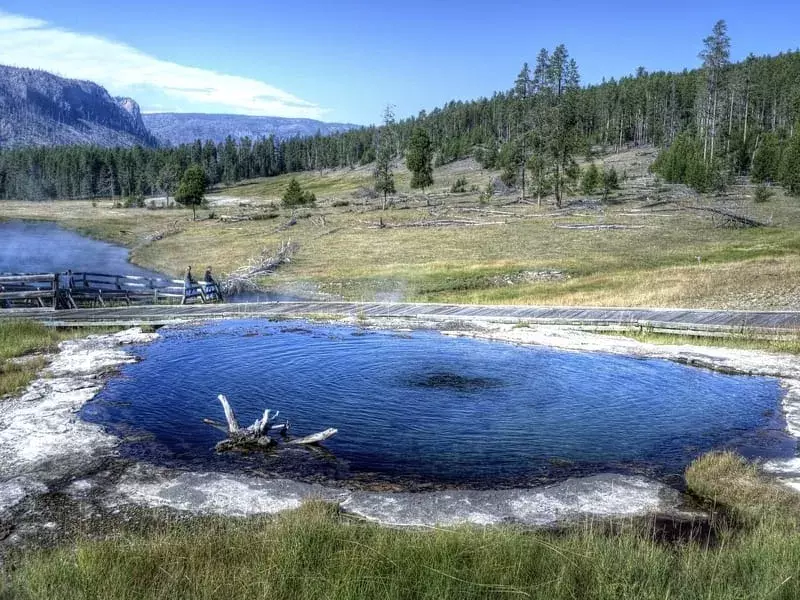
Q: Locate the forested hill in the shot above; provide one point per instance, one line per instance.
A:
(184, 128)
(41, 109)
(728, 118)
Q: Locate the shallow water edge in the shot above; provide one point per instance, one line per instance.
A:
(45, 448)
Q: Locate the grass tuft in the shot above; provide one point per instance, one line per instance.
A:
(728, 482)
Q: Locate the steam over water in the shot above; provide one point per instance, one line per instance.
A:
(423, 408)
(44, 247)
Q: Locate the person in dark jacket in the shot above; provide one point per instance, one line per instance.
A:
(210, 287)
(189, 289)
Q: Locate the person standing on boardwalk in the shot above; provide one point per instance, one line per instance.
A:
(190, 287)
(189, 284)
(210, 285)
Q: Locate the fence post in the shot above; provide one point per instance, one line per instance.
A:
(55, 291)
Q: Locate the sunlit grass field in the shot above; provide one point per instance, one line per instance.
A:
(450, 247)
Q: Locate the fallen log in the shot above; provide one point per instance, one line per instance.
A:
(315, 438)
(431, 223)
(257, 435)
(729, 219)
(244, 278)
(596, 226)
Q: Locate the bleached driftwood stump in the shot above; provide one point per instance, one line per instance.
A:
(258, 434)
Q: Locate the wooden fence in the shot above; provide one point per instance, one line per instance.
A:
(40, 289)
(81, 289)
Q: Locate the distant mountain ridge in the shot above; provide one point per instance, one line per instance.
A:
(38, 108)
(185, 128)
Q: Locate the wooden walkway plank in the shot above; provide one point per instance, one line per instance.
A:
(590, 317)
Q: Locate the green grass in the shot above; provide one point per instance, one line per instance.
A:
(728, 482)
(782, 342)
(652, 263)
(27, 339)
(317, 552)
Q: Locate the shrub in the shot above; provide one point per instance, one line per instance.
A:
(763, 193)
(590, 179)
(610, 182)
(486, 194)
(337, 203)
(295, 196)
(460, 186)
(133, 202)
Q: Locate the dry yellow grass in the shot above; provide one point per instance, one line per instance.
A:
(666, 255)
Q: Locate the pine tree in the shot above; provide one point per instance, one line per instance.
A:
(610, 182)
(168, 176)
(767, 160)
(523, 89)
(716, 57)
(563, 139)
(192, 189)
(790, 171)
(419, 159)
(295, 196)
(384, 154)
(590, 179)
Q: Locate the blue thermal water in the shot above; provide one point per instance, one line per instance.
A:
(424, 407)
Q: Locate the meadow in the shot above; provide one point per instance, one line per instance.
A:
(648, 244)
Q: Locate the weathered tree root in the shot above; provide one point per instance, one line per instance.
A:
(258, 434)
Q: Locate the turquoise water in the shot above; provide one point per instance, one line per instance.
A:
(422, 408)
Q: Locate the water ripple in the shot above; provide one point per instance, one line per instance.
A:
(424, 407)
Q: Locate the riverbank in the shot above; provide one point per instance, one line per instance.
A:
(41, 430)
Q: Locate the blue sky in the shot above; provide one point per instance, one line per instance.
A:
(344, 61)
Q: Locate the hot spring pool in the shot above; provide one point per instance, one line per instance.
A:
(423, 408)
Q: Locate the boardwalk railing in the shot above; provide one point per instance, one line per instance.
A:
(40, 289)
(72, 290)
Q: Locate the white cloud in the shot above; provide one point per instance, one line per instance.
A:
(122, 69)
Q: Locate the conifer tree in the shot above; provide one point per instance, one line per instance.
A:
(419, 159)
(523, 89)
(192, 189)
(384, 154)
(590, 179)
(767, 160)
(790, 171)
(716, 57)
(295, 196)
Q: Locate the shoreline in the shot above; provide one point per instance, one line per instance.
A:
(45, 449)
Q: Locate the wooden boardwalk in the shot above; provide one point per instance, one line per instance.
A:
(672, 320)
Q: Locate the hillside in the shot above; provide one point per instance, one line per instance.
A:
(185, 128)
(41, 109)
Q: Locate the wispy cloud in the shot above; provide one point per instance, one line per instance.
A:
(124, 70)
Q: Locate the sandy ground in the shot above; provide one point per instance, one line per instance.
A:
(50, 457)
